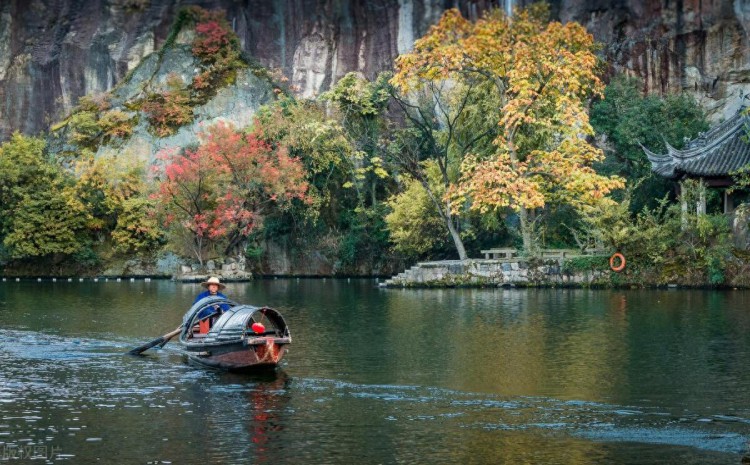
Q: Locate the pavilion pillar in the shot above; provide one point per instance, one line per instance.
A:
(700, 204)
(691, 191)
(684, 212)
(728, 202)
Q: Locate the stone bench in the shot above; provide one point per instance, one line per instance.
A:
(502, 253)
(596, 251)
(559, 253)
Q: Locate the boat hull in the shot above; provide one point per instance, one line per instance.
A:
(246, 355)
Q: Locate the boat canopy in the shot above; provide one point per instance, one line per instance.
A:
(236, 322)
(203, 304)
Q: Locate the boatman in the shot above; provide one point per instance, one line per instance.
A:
(213, 286)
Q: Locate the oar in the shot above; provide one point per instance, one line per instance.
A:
(164, 339)
(156, 342)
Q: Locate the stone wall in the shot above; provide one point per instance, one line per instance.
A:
(491, 273)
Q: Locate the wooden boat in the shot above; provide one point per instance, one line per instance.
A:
(234, 337)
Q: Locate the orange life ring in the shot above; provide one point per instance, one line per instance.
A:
(619, 267)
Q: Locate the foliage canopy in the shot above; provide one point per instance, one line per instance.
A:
(541, 74)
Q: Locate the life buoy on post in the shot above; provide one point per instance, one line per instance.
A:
(613, 258)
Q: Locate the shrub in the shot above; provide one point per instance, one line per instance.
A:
(117, 124)
(169, 110)
(585, 263)
(84, 129)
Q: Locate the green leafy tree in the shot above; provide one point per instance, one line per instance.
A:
(137, 228)
(303, 129)
(416, 229)
(657, 242)
(39, 215)
(627, 119)
(346, 185)
(84, 129)
(46, 222)
(116, 197)
(443, 122)
(361, 106)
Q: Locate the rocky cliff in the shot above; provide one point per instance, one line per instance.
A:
(700, 46)
(54, 51)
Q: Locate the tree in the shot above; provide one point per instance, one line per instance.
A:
(38, 216)
(361, 106)
(626, 120)
(444, 122)
(118, 208)
(415, 225)
(170, 109)
(302, 128)
(137, 228)
(46, 222)
(339, 144)
(220, 191)
(659, 241)
(538, 76)
(23, 166)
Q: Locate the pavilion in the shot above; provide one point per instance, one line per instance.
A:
(710, 159)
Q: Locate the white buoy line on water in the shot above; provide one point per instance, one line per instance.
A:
(70, 280)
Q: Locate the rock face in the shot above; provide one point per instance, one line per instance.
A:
(700, 46)
(54, 51)
(235, 104)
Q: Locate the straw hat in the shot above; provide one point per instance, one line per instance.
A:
(213, 280)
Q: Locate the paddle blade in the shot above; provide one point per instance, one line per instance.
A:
(156, 342)
(145, 347)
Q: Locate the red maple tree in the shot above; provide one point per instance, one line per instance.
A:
(220, 191)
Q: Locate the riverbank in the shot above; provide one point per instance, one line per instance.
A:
(584, 271)
(535, 272)
(494, 273)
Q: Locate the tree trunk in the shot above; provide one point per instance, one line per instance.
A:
(455, 236)
(445, 214)
(198, 248)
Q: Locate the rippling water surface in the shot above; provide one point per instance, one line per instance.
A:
(380, 376)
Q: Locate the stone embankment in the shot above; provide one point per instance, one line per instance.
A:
(230, 270)
(492, 273)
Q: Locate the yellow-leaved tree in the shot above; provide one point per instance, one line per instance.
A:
(540, 76)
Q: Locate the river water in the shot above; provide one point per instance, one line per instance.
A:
(505, 376)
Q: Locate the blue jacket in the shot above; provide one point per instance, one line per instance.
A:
(205, 312)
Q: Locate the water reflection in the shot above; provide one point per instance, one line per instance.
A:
(247, 414)
(383, 376)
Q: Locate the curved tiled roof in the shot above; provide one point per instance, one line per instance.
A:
(718, 152)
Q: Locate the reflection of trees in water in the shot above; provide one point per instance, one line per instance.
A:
(267, 401)
(568, 343)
